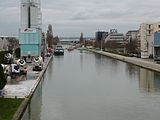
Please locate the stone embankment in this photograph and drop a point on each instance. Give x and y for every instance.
(30, 92)
(145, 63)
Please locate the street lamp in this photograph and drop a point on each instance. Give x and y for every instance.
(103, 38)
(101, 44)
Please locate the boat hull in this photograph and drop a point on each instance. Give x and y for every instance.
(58, 53)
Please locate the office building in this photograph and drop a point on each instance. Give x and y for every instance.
(30, 33)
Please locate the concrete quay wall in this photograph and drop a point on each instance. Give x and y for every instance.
(136, 61)
(22, 108)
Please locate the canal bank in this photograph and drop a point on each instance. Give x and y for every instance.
(136, 61)
(82, 85)
(20, 111)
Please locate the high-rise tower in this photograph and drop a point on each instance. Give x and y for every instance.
(30, 33)
(30, 14)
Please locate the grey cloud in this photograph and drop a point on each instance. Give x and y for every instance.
(70, 17)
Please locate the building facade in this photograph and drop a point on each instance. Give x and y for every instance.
(156, 46)
(30, 33)
(3, 44)
(115, 41)
(146, 33)
(100, 38)
(132, 38)
(8, 43)
(132, 34)
(101, 35)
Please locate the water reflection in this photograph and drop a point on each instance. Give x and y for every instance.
(106, 64)
(87, 86)
(33, 110)
(157, 81)
(132, 70)
(149, 80)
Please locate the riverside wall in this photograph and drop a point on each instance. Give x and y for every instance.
(136, 61)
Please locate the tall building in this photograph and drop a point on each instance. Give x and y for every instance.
(156, 46)
(132, 36)
(100, 38)
(119, 37)
(115, 41)
(30, 14)
(146, 33)
(101, 35)
(30, 33)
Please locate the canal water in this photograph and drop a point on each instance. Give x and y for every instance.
(85, 86)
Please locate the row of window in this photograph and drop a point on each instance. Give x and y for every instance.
(150, 26)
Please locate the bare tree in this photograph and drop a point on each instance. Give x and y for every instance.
(131, 46)
(50, 36)
(81, 40)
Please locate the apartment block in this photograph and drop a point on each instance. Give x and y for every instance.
(133, 36)
(115, 40)
(146, 33)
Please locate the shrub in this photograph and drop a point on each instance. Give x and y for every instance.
(18, 52)
(2, 78)
(2, 53)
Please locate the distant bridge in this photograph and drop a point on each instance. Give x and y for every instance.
(74, 38)
(69, 40)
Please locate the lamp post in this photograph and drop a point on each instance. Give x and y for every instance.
(103, 38)
(101, 44)
(152, 50)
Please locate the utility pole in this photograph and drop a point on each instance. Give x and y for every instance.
(103, 37)
(101, 44)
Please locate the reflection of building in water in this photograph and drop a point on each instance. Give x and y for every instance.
(157, 81)
(132, 70)
(146, 80)
(149, 80)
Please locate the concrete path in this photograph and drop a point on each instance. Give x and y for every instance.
(146, 63)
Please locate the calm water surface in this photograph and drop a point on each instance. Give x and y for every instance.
(87, 86)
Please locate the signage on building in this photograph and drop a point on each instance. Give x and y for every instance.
(28, 30)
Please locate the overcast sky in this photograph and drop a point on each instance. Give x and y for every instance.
(71, 17)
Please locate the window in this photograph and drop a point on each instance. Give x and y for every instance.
(149, 32)
(149, 26)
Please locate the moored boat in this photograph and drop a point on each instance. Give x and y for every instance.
(59, 50)
(70, 48)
